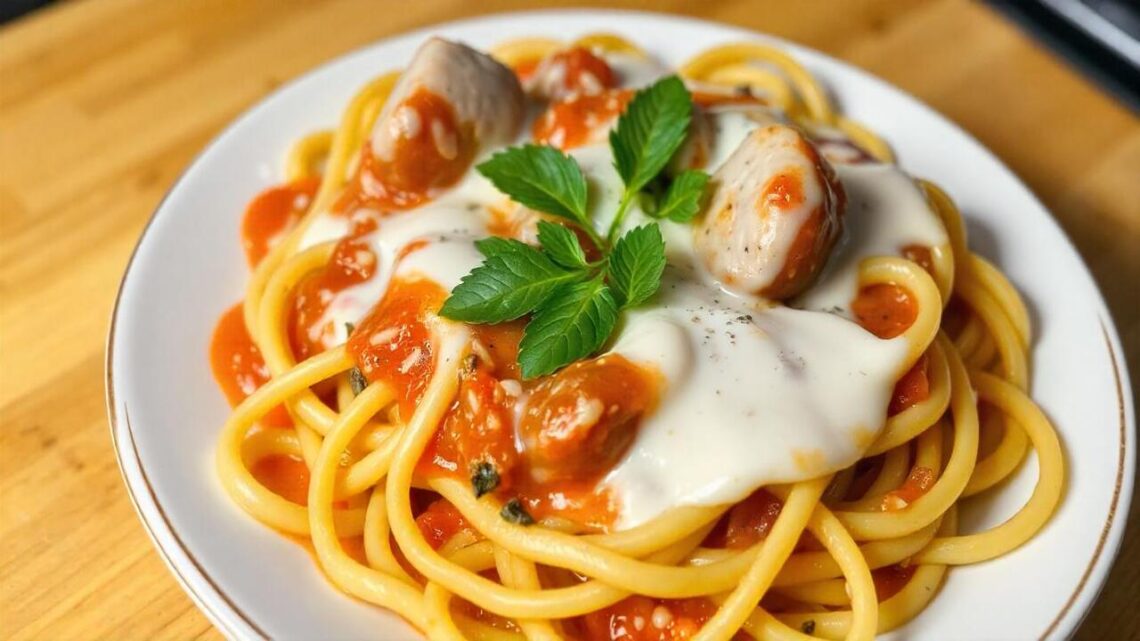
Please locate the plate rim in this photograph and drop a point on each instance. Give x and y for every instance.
(229, 618)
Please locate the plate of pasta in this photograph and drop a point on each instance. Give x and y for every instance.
(616, 326)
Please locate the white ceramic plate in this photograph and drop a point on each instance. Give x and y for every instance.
(166, 411)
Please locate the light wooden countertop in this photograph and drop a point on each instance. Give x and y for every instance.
(104, 103)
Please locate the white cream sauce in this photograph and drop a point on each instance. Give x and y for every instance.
(753, 396)
(753, 393)
(756, 394)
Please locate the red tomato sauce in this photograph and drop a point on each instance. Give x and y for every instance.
(785, 190)
(524, 69)
(640, 618)
(575, 121)
(238, 366)
(351, 264)
(580, 70)
(804, 255)
(478, 428)
(917, 483)
(750, 520)
(393, 343)
(885, 310)
(272, 213)
(285, 476)
(911, 389)
(441, 521)
(920, 255)
(431, 153)
(891, 579)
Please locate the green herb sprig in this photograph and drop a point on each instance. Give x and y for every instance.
(574, 302)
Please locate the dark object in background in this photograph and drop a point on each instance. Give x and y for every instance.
(11, 9)
(1100, 37)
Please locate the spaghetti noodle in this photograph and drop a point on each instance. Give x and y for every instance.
(361, 440)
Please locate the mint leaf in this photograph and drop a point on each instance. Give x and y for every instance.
(636, 264)
(682, 201)
(540, 177)
(650, 131)
(506, 286)
(495, 245)
(561, 244)
(574, 322)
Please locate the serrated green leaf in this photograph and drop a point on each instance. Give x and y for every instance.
(636, 264)
(650, 131)
(574, 323)
(561, 244)
(540, 177)
(495, 245)
(682, 201)
(506, 286)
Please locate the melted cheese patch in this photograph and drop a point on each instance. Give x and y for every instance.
(747, 388)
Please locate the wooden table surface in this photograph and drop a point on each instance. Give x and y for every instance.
(104, 102)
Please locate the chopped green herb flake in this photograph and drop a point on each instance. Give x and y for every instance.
(357, 381)
(484, 478)
(514, 512)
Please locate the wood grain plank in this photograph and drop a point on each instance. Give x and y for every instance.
(103, 103)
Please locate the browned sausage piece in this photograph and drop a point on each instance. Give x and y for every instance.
(774, 217)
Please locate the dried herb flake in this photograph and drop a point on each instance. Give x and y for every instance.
(514, 512)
